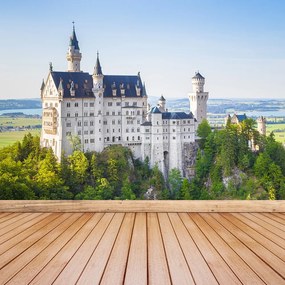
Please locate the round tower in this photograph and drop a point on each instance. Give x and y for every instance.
(261, 125)
(198, 98)
(161, 104)
(73, 54)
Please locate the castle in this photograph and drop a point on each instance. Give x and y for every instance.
(103, 110)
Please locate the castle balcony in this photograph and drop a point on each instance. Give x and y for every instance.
(142, 242)
(49, 120)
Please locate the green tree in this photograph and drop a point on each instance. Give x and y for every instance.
(203, 130)
(174, 182)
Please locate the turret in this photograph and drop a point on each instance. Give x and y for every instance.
(73, 54)
(261, 125)
(161, 104)
(198, 98)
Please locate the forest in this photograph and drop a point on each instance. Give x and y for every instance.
(233, 163)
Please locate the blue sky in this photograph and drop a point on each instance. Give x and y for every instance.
(239, 46)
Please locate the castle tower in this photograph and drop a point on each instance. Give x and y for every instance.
(198, 98)
(98, 90)
(161, 104)
(261, 125)
(73, 54)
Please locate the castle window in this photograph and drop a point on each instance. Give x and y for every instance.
(138, 121)
(173, 122)
(91, 132)
(79, 133)
(157, 139)
(108, 139)
(68, 133)
(85, 114)
(147, 130)
(75, 104)
(67, 105)
(85, 104)
(127, 138)
(113, 113)
(85, 132)
(138, 130)
(99, 130)
(91, 114)
(119, 121)
(99, 139)
(107, 130)
(126, 103)
(119, 130)
(188, 121)
(105, 122)
(173, 138)
(113, 139)
(173, 130)
(184, 122)
(157, 123)
(91, 123)
(110, 104)
(184, 129)
(119, 138)
(86, 123)
(133, 130)
(68, 124)
(133, 138)
(68, 115)
(86, 141)
(119, 113)
(188, 129)
(127, 113)
(118, 103)
(135, 103)
(139, 138)
(113, 122)
(107, 113)
(113, 130)
(99, 112)
(92, 140)
(127, 130)
(91, 105)
(79, 123)
(76, 115)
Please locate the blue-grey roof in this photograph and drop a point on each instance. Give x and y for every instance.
(98, 69)
(198, 76)
(176, 116)
(128, 82)
(241, 117)
(73, 40)
(83, 83)
(161, 98)
(155, 110)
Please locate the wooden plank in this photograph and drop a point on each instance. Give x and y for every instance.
(178, 267)
(15, 239)
(76, 264)
(18, 222)
(270, 221)
(7, 272)
(9, 217)
(2, 215)
(59, 256)
(235, 262)
(259, 237)
(157, 264)
(198, 266)
(218, 266)
(267, 274)
(36, 218)
(272, 260)
(264, 224)
(273, 237)
(24, 244)
(280, 215)
(116, 266)
(136, 271)
(16, 218)
(94, 269)
(140, 206)
(30, 271)
(275, 218)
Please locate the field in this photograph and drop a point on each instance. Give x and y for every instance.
(8, 138)
(278, 130)
(19, 122)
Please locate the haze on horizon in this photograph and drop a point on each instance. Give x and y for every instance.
(238, 46)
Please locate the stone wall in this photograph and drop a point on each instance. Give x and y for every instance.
(189, 156)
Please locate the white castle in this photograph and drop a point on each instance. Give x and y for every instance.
(103, 110)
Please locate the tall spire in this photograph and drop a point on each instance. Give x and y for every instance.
(97, 68)
(73, 39)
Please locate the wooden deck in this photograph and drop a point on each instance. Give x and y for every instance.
(97, 243)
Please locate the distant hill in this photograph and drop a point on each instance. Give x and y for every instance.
(10, 104)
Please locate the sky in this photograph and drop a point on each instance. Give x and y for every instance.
(237, 45)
